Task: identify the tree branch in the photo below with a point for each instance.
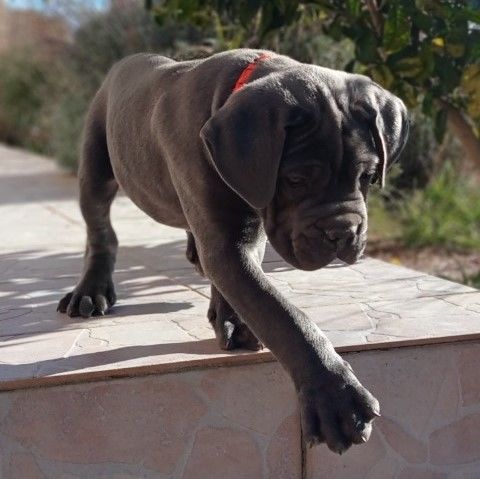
(376, 16)
(463, 130)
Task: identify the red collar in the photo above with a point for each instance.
(248, 71)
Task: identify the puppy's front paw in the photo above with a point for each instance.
(89, 298)
(337, 409)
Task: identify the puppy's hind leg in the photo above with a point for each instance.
(230, 330)
(95, 294)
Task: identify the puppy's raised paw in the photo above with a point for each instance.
(338, 411)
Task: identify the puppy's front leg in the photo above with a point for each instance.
(335, 407)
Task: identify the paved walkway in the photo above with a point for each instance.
(159, 322)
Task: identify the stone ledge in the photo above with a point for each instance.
(242, 423)
(159, 324)
(175, 413)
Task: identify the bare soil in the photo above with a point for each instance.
(462, 267)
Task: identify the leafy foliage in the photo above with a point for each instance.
(426, 51)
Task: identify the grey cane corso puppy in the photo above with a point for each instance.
(288, 157)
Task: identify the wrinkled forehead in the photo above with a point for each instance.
(357, 140)
(345, 142)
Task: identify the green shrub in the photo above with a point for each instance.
(446, 213)
(67, 123)
(24, 84)
(474, 281)
(97, 45)
(383, 222)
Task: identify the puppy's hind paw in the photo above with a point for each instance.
(231, 333)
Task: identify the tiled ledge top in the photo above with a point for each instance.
(159, 324)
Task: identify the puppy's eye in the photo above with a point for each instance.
(296, 181)
(369, 178)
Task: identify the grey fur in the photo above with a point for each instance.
(289, 156)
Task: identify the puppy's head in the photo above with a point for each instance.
(303, 146)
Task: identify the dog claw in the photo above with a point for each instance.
(86, 307)
(228, 345)
(337, 410)
(63, 303)
(81, 302)
(230, 331)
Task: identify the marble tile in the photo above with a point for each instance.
(457, 443)
(408, 446)
(356, 463)
(424, 432)
(241, 422)
(420, 473)
(468, 367)
(284, 459)
(172, 425)
(219, 453)
(119, 422)
(222, 386)
(23, 465)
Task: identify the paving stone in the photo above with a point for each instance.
(458, 442)
(226, 450)
(468, 368)
(423, 433)
(284, 456)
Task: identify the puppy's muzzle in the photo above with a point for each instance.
(346, 235)
(339, 236)
(342, 231)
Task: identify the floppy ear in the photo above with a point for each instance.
(245, 140)
(389, 125)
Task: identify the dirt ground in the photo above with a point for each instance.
(462, 267)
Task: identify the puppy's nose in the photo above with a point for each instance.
(341, 236)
